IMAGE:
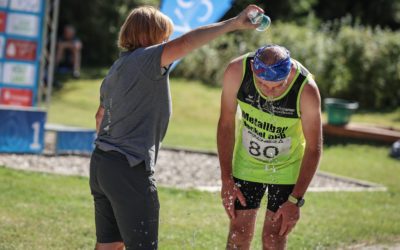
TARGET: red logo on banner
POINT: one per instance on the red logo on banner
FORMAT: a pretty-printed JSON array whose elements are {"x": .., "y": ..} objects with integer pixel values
[
  {"x": 17, "y": 97},
  {"x": 3, "y": 17},
  {"x": 20, "y": 49}
]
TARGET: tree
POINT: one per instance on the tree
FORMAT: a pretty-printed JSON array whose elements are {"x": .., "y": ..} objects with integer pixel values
[
  {"x": 385, "y": 13},
  {"x": 97, "y": 24}
]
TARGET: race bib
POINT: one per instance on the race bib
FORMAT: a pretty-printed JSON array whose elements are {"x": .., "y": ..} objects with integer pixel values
[{"x": 264, "y": 149}]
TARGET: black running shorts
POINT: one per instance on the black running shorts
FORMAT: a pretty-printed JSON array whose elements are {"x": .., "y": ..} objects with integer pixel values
[
  {"x": 253, "y": 192},
  {"x": 126, "y": 203}
]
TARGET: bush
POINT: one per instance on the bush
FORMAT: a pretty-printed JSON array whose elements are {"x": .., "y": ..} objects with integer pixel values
[
  {"x": 209, "y": 62},
  {"x": 355, "y": 63}
]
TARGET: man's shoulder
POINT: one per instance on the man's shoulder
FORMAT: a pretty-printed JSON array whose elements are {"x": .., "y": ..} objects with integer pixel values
[
  {"x": 234, "y": 70},
  {"x": 310, "y": 94},
  {"x": 236, "y": 64}
]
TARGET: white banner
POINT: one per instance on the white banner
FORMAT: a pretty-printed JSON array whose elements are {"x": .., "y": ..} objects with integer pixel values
[
  {"x": 3, "y": 3},
  {"x": 19, "y": 73},
  {"x": 2, "y": 44},
  {"x": 26, "y": 5},
  {"x": 23, "y": 25}
]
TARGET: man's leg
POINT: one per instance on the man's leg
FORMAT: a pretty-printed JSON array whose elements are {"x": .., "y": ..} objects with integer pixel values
[
  {"x": 241, "y": 229},
  {"x": 270, "y": 236},
  {"x": 277, "y": 195}
]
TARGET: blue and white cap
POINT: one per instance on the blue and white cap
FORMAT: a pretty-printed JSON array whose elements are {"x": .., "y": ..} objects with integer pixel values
[{"x": 276, "y": 72}]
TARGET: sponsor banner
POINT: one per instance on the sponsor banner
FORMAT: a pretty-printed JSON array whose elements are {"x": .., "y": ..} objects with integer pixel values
[
  {"x": 19, "y": 73},
  {"x": 16, "y": 97},
  {"x": 23, "y": 25},
  {"x": 3, "y": 17},
  {"x": 3, "y": 3},
  {"x": 26, "y": 5},
  {"x": 22, "y": 130},
  {"x": 21, "y": 50},
  {"x": 21, "y": 30},
  {"x": 2, "y": 42}
]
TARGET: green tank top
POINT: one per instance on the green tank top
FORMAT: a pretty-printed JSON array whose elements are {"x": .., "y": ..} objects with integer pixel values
[{"x": 269, "y": 143}]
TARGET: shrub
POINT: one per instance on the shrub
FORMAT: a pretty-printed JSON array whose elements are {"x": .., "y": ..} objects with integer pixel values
[{"x": 356, "y": 63}]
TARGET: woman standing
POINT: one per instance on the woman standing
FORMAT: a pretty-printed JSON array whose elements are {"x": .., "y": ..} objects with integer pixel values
[{"x": 131, "y": 121}]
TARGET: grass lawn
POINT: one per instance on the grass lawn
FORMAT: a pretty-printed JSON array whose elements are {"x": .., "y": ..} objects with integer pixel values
[
  {"x": 195, "y": 111},
  {"x": 42, "y": 211}
]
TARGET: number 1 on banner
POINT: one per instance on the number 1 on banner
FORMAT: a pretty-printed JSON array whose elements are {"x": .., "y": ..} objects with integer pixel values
[{"x": 36, "y": 130}]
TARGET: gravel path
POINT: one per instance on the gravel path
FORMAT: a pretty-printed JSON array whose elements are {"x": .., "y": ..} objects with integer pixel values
[
  {"x": 176, "y": 168},
  {"x": 183, "y": 169}
]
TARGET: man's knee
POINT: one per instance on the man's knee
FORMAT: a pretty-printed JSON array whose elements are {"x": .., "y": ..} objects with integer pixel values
[
  {"x": 270, "y": 240},
  {"x": 270, "y": 236},
  {"x": 238, "y": 240},
  {"x": 240, "y": 233}
]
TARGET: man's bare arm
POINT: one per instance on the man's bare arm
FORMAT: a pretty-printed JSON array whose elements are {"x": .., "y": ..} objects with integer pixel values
[
  {"x": 226, "y": 124},
  {"x": 310, "y": 106}
]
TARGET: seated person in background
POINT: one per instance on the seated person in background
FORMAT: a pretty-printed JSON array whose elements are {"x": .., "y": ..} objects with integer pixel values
[{"x": 69, "y": 48}]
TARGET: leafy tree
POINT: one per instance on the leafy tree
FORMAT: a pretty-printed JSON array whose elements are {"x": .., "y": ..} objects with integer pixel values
[
  {"x": 284, "y": 10},
  {"x": 384, "y": 13},
  {"x": 97, "y": 24}
]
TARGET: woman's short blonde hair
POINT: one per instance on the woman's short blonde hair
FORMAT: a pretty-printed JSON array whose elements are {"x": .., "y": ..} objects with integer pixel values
[{"x": 144, "y": 26}]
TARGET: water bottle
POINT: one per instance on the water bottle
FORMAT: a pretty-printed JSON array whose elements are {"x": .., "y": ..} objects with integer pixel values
[{"x": 257, "y": 17}]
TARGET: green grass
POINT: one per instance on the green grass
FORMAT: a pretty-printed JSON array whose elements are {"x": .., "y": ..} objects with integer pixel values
[
  {"x": 76, "y": 104},
  {"x": 193, "y": 122},
  {"x": 389, "y": 119},
  {"x": 195, "y": 111},
  {"x": 195, "y": 115},
  {"x": 52, "y": 212},
  {"x": 42, "y": 211}
]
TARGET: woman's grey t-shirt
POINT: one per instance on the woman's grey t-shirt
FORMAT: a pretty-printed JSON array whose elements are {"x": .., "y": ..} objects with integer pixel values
[{"x": 137, "y": 106}]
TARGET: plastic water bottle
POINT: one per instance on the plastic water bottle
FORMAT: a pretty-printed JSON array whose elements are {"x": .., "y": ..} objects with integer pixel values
[{"x": 257, "y": 17}]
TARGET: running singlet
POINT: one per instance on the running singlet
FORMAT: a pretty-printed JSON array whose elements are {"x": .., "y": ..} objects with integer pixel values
[{"x": 270, "y": 143}]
